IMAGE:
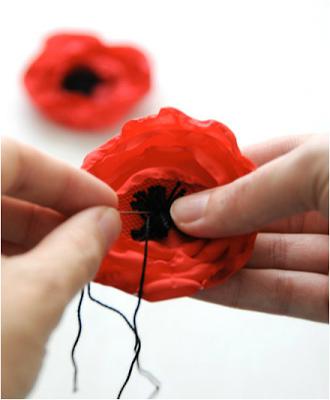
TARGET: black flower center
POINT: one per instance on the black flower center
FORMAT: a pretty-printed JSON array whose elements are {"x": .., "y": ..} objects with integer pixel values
[
  {"x": 154, "y": 204},
  {"x": 81, "y": 80}
]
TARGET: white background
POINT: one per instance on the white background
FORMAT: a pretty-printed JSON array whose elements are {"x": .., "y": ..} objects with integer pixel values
[{"x": 262, "y": 68}]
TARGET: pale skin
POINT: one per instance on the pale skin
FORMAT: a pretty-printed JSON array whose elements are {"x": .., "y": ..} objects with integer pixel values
[
  {"x": 287, "y": 200},
  {"x": 58, "y": 223}
]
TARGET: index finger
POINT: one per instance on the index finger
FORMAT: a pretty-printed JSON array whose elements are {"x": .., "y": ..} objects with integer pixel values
[
  {"x": 264, "y": 152},
  {"x": 36, "y": 177}
]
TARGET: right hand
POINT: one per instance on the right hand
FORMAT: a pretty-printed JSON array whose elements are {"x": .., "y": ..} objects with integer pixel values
[{"x": 287, "y": 200}]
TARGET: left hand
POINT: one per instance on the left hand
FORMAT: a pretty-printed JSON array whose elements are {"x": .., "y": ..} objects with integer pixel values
[{"x": 52, "y": 253}]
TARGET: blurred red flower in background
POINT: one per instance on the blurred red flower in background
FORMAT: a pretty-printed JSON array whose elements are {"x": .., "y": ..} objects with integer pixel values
[
  {"x": 82, "y": 83},
  {"x": 154, "y": 161}
]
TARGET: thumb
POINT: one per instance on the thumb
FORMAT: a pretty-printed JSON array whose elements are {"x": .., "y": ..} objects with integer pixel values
[
  {"x": 40, "y": 283},
  {"x": 70, "y": 255},
  {"x": 290, "y": 184}
]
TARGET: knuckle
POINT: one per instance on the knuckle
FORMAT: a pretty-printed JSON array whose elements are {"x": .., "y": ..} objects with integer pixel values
[
  {"x": 229, "y": 205},
  {"x": 313, "y": 167},
  {"x": 278, "y": 253},
  {"x": 321, "y": 192},
  {"x": 66, "y": 184},
  {"x": 325, "y": 307},
  {"x": 240, "y": 197},
  {"x": 283, "y": 292},
  {"x": 323, "y": 254},
  {"x": 237, "y": 283}
]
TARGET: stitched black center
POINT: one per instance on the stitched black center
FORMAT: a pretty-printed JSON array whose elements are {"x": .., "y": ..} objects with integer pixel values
[
  {"x": 156, "y": 205},
  {"x": 81, "y": 80}
]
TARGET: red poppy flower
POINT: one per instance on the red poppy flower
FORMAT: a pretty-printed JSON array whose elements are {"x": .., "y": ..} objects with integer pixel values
[
  {"x": 83, "y": 83},
  {"x": 154, "y": 161}
]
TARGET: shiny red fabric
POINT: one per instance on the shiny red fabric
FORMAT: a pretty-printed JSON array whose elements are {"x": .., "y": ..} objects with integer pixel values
[
  {"x": 123, "y": 71},
  {"x": 163, "y": 149}
]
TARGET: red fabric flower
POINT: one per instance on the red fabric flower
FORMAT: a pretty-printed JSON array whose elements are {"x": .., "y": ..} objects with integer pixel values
[
  {"x": 83, "y": 83},
  {"x": 155, "y": 158}
]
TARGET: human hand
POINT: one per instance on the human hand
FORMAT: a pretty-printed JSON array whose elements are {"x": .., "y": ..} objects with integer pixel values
[
  {"x": 287, "y": 200},
  {"x": 50, "y": 253}
]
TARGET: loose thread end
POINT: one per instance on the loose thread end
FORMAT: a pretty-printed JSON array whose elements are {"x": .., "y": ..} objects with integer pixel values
[
  {"x": 133, "y": 327},
  {"x": 75, "y": 366}
]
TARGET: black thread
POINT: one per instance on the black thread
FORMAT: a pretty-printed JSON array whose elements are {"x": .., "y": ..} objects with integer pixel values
[
  {"x": 137, "y": 346},
  {"x": 108, "y": 307},
  {"x": 75, "y": 366},
  {"x": 133, "y": 327},
  {"x": 152, "y": 379}
]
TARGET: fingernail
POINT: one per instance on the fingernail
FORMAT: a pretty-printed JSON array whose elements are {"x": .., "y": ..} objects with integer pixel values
[
  {"x": 189, "y": 209},
  {"x": 109, "y": 225}
]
